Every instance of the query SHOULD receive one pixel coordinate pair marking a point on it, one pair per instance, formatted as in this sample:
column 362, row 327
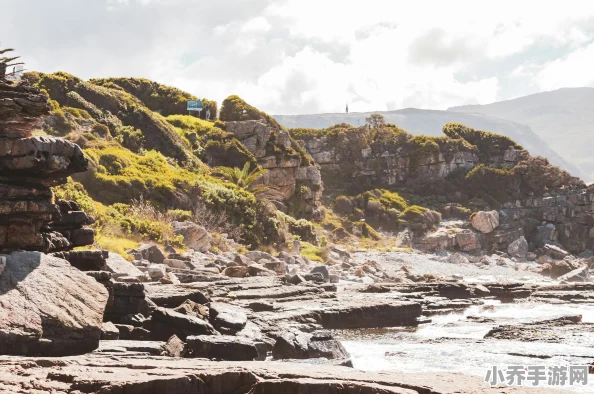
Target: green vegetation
column 163, row 99
column 115, row 108
column 488, row 144
column 421, row 146
column 244, row 178
column 235, row 109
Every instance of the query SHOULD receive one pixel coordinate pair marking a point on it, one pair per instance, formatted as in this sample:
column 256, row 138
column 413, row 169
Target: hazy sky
column 308, row 56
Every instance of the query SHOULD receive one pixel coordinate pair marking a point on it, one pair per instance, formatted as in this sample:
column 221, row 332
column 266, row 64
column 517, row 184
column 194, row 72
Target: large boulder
column 227, row 318
column 485, row 222
column 120, row 267
column 49, row 308
column 518, row 248
column 165, row 322
column 299, row 345
column 149, row 252
column 195, row 237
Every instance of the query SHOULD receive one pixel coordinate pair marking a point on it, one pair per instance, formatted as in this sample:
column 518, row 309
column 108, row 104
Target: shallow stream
column 454, row 343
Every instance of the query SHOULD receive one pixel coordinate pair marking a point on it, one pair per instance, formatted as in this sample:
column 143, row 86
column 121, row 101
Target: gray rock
column 227, row 318
column 280, row 267
column 119, row 266
column 165, row 322
column 458, row 259
column 322, row 269
column 256, row 255
column 195, row 237
column 157, row 271
column 149, row 252
column 518, row 248
column 49, row 308
column 221, row 347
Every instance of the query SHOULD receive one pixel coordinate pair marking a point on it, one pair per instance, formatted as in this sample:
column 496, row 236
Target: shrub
column 100, row 130
column 160, row 98
column 235, row 109
column 488, row 144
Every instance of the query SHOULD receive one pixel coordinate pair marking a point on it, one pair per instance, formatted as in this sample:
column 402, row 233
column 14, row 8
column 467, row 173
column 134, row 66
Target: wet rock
column 50, row 308
column 518, row 248
column 165, row 322
column 109, row 331
column 174, row 347
column 221, row 347
column 485, row 222
column 291, row 345
column 226, row 318
column 195, row 237
column 299, row 345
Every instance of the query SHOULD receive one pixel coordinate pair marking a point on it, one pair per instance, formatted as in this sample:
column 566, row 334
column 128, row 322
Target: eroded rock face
column 48, row 307
column 20, row 109
column 289, row 177
column 29, row 219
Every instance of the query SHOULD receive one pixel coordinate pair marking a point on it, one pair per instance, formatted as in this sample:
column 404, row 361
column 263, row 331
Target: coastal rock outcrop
column 298, row 184
column 29, row 165
column 48, row 307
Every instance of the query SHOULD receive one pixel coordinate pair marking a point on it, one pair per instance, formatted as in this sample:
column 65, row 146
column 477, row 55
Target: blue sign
column 195, row 105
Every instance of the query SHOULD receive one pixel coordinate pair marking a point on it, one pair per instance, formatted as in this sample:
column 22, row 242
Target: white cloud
column 295, row 56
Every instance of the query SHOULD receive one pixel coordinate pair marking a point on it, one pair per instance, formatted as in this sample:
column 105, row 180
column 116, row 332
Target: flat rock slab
column 275, row 292
column 119, row 266
column 147, row 347
column 48, row 307
column 347, row 311
column 150, row 374
column 221, row 347
column 171, row 296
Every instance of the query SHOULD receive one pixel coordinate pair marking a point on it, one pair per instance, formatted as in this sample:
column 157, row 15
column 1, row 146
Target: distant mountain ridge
column 564, row 118
column 430, row 122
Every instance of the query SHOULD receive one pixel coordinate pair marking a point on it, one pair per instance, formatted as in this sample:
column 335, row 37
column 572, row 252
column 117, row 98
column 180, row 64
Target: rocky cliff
column 29, row 165
column 297, row 180
column 385, row 157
